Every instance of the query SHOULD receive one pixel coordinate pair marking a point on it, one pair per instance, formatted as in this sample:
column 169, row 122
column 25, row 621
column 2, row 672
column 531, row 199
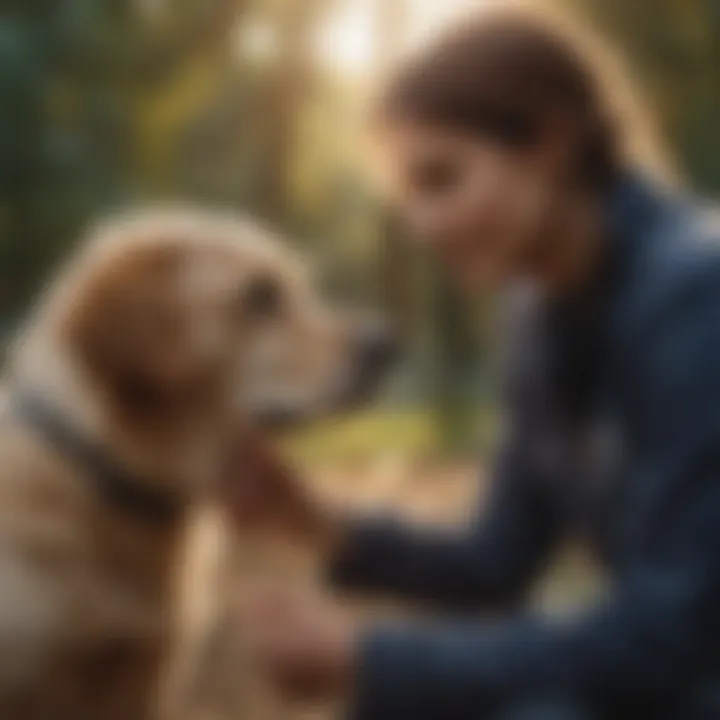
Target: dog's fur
column 160, row 342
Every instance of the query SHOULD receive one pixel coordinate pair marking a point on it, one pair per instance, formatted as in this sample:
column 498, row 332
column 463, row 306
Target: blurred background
column 259, row 105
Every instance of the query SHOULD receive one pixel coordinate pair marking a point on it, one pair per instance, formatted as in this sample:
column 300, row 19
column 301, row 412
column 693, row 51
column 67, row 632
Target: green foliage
column 674, row 51
column 405, row 434
column 76, row 81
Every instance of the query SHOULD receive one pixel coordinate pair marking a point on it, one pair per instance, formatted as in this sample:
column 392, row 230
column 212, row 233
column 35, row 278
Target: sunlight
column 347, row 41
column 425, row 16
column 256, row 40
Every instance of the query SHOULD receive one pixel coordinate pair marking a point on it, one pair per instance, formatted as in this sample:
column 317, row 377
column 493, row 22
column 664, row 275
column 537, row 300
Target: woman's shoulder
column 678, row 267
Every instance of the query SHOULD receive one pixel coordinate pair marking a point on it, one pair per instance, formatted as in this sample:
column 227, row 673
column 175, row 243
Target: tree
column 673, row 49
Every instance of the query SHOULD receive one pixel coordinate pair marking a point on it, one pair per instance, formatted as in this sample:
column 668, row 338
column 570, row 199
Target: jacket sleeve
column 488, row 564
column 656, row 635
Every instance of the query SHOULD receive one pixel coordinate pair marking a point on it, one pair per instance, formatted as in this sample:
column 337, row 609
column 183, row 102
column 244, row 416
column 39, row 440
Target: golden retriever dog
column 167, row 338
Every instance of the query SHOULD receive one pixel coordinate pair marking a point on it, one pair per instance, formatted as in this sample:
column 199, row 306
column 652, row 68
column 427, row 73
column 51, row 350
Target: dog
column 168, row 337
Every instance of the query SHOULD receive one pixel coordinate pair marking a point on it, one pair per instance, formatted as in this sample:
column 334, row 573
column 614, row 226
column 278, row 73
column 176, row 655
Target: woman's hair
column 505, row 73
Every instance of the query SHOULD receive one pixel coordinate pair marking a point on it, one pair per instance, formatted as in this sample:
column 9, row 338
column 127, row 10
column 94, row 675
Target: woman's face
column 481, row 208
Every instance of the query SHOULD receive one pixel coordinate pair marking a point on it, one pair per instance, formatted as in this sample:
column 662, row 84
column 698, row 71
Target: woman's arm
column 490, row 563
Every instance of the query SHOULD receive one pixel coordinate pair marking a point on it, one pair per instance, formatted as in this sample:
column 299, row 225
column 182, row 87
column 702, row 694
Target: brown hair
column 504, row 73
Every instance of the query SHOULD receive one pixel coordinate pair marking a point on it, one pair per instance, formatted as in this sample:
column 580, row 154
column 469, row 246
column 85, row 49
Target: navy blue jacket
column 614, row 432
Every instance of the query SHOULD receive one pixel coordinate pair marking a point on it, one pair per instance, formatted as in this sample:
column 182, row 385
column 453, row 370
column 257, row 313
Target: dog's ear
column 130, row 325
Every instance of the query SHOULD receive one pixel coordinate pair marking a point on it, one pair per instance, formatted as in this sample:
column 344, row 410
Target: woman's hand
column 306, row 646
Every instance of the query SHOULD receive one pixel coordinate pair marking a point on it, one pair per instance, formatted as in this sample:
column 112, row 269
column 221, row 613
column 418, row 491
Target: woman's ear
column 129, row 326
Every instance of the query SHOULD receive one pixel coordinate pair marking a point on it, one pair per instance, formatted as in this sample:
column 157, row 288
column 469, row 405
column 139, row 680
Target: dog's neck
column 180, row 454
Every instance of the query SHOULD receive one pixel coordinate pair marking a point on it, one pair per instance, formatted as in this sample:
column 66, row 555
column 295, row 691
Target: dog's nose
column 379, row 348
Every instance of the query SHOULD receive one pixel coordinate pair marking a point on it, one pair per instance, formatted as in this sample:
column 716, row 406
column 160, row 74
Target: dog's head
column 178, row 312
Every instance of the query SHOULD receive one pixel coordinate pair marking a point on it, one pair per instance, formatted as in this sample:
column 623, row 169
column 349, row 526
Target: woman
column 513, row 168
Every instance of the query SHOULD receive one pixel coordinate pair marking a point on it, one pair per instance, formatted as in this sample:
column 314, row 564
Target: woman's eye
column 262, row 298
column 435, row 176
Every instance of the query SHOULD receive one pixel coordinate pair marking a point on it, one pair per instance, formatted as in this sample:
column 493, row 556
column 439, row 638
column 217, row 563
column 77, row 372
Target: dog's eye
column 262, row 298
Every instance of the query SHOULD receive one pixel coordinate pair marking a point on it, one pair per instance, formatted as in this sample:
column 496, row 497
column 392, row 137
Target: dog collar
column 115, row 484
